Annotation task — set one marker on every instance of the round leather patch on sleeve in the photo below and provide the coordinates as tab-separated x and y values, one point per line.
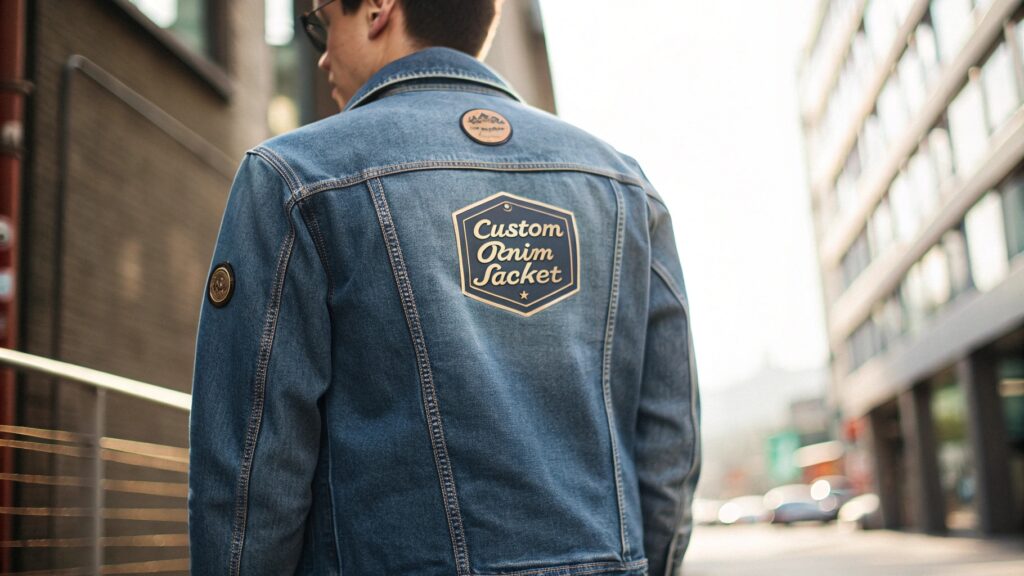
486	126
221	285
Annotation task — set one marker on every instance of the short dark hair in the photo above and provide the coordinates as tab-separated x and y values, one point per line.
459	24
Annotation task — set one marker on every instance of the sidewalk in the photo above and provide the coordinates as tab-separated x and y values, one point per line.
815	550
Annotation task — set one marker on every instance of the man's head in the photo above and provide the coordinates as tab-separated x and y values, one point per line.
365	35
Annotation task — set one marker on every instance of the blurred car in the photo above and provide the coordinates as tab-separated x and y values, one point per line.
743	510
864	512
705	511
794	503
831	493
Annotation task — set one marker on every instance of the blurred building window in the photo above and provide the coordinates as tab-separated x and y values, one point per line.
927	50
881	229
283	110
881	25
967	127
188	20
986	242
1013	211
906	215
913	298
955	246
857	259
956	469
1002	97
953	23
846	182
924	181
935	275
892	108
912	78
941	152
872	141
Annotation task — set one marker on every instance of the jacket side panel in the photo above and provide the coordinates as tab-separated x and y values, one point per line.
388	505
625	362
668	426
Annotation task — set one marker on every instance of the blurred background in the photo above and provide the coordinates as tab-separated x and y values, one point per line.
846	179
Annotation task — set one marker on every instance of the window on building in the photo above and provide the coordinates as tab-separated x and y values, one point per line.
880	231
953	24
912	78
986	242
881	25
279	30
188	20
905	212
927	50
999	81
913	298
892	108
967	127
941	152
1013	211
935	275
924	181
955	247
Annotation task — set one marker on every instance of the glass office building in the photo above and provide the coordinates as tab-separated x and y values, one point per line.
914	132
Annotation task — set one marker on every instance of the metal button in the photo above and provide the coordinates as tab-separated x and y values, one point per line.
221	285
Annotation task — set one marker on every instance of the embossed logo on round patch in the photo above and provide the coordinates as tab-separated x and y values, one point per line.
517	254
486	126
221	285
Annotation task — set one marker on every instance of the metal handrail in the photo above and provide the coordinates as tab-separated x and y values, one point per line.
96	379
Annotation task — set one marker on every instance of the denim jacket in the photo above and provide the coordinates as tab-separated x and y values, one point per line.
444	333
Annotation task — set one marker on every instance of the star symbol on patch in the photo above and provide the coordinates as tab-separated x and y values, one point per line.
524	295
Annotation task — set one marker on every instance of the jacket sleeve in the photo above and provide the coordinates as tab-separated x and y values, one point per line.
262	363
668	425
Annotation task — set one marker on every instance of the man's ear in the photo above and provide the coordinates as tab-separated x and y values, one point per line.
380	15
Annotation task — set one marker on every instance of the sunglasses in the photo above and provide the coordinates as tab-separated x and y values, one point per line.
315	29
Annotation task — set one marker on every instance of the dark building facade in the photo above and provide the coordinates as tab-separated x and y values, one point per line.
914	133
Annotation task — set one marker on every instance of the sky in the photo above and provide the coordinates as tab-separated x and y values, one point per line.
703	94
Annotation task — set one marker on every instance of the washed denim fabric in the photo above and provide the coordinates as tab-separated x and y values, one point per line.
365	404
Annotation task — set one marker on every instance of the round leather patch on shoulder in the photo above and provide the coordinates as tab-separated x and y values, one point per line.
221	285
486	126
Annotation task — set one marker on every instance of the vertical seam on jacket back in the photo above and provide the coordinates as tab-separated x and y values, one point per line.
613	304
309	216
256	412
435	425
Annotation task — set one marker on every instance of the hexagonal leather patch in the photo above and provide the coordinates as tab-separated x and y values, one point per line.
517	254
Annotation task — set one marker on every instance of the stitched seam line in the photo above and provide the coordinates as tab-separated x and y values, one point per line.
284	169
434	73
435	424
609	336
449	87
313	226
330	489
695	458
256	412
365	175
666	277
576	569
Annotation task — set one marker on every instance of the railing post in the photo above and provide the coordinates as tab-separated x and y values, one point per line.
97	528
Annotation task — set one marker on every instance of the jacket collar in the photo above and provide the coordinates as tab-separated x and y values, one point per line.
435	62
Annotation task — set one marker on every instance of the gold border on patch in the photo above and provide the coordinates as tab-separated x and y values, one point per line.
486	126
547	300
221	285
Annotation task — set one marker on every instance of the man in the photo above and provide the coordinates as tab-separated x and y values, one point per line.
444	332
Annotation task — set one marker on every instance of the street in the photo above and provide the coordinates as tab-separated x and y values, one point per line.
832	550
